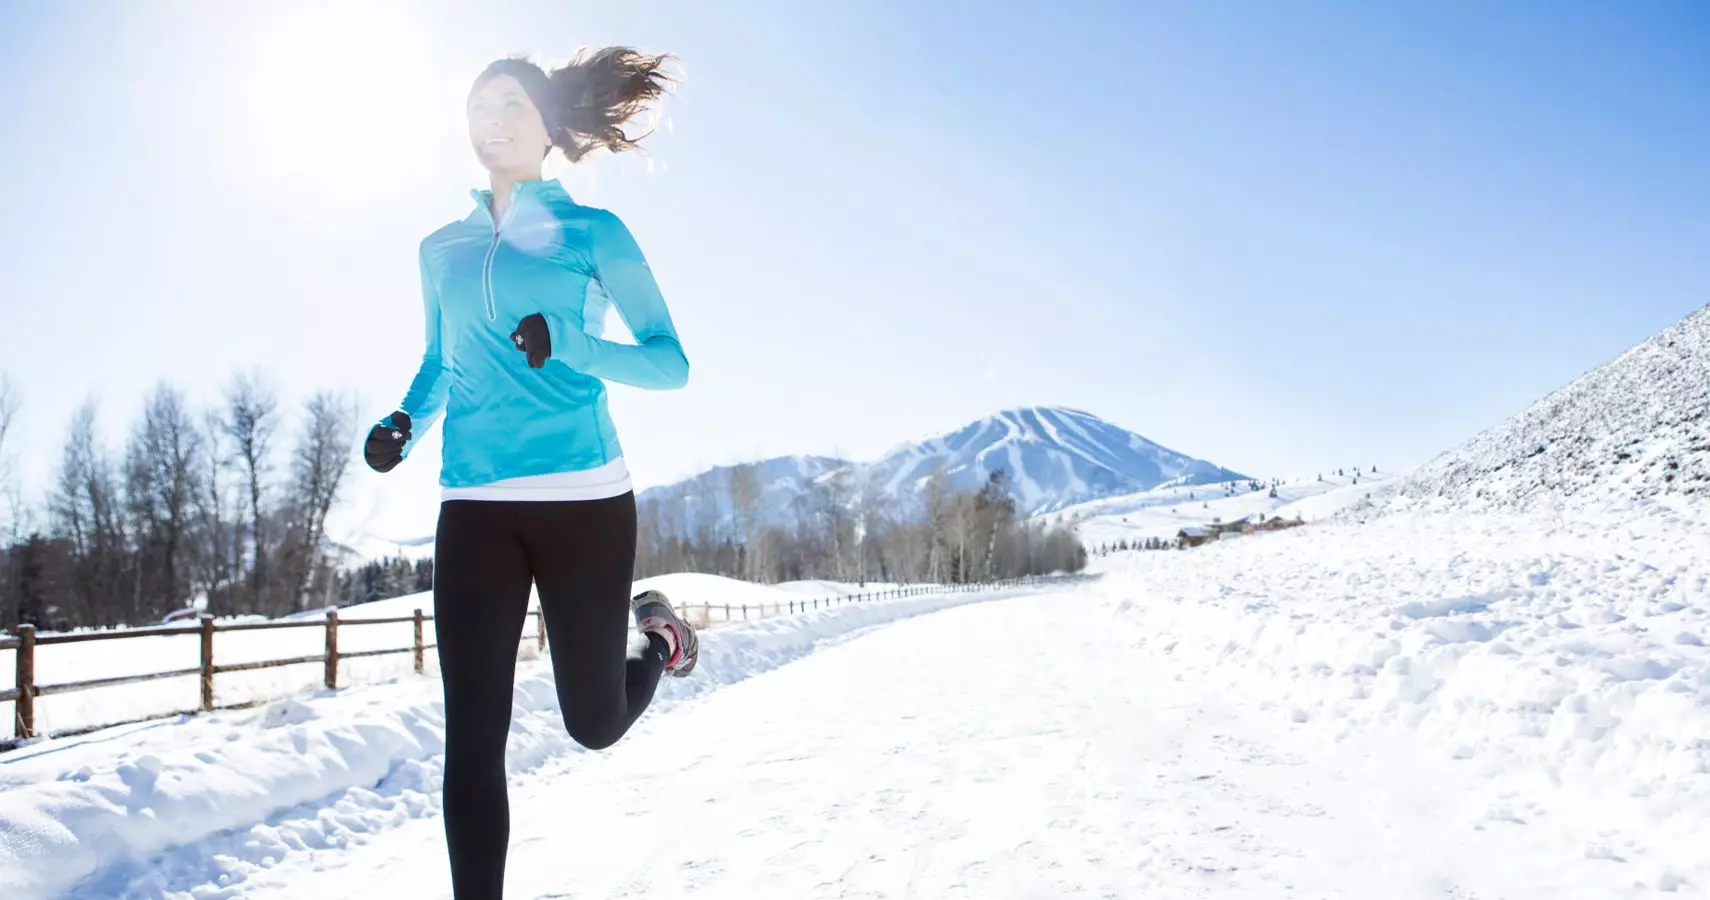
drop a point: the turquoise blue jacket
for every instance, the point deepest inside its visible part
(570, 263)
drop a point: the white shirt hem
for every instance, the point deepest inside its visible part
(599, 483)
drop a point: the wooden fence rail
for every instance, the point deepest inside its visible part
(23, 694)
(25, 690)
(732, 612)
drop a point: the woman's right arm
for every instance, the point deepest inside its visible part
(428, 391)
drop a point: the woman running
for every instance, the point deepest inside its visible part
(535, 490)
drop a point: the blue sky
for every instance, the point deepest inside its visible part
(1282, 237)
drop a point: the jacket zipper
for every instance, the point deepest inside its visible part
(487, 265)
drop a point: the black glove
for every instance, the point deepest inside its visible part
(534, 338)
(385, 446)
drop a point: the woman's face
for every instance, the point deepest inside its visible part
(506, 128)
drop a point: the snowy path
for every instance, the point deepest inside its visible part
(988, 751)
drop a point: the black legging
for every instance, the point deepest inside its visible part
(581, 554)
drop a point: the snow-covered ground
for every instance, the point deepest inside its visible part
(1161, 512)
(195, 808)
(1560, 660)
(1469, 706)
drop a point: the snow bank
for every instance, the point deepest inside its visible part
(145, 812)
(1573, 648)
(62, 663)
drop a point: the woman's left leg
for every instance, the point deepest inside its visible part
(583, 556)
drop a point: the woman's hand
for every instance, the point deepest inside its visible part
(534, 338)
(385, 446)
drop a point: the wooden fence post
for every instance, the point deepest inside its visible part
(25, 727)
(332, 649)
(418, 648)
(744, 612)
(540, 630)
(207, 663)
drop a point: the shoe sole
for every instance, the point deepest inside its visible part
(694, 642)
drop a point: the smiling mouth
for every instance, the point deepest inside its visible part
(495, 141)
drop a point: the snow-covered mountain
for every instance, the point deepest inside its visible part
(1052, 458)
(1635, 428)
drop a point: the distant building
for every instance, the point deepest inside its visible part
(1197, 535)
(1193, 536)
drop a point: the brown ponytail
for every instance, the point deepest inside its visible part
(599, 92)
(586, 103)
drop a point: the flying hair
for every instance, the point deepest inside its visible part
(587, 102)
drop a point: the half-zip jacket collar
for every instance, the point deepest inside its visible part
(520, 191)
(536, 189)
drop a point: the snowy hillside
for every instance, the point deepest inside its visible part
(1163, 511)
(1053, 458)
(1638, 427)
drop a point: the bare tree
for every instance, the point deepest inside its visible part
(162, 468)
(745, 520)
(86, 513)
(995, 511)
(318, 468)
(939, 502)
(10, 492)
(833, 493)
(251, 420)
(217, 515)
(872, 519)
(12, 552)
(702, 508)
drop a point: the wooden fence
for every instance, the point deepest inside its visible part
(23, 695)
(740, 612)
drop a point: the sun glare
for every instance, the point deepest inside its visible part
(341, 102)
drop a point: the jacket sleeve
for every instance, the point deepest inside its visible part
(426, 398)
(656, 360)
